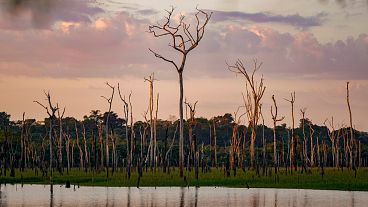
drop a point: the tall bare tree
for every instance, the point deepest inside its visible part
(126, 117)
(311, 159)
(235, 141)
(304, 147)
(192, 137)
(191, 123)
(109, 101)
(331, 135)
(214, 140)
(155, 134)
(51, 110)
(151, 80)
(275, 120)
(293, 153)
(60, 143)
(183, 40)
(351, 126)
(252, 100)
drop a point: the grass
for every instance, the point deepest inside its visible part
(333, 179)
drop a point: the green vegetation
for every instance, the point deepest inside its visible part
(333, 179)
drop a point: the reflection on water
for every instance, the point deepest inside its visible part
(39, 195)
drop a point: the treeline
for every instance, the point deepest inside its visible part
(208, 143)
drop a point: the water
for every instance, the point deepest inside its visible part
(39, 195)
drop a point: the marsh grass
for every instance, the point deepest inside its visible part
(333, 179)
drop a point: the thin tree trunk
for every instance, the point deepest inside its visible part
(181, 128)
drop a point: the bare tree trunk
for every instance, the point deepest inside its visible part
(183, 43)
(79, 148)
(293, 154)
(181, 128)
(85, 148)
(210, 139)
(275, 120)
(109, 101)
(51, 112)
(155, 134)
(126, 115)
(60, 154)
(132, 134)
(100, 141)
(67, 148)
(215, 141)
(305, 157)
(73, 146)
(311, 145)
(151, 108)
(351, 123)
(22, 156)
(318, 153)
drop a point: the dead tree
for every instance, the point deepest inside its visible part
(100, 141)
(86, 163)
(311, 159)
(263, 141)
(126, 117)
(214, 141)
(332, 137)
(155, 134)
(183, 41)
(235, 140)
(275, 120)
(293, 153)
(109, 101)
(304, 148)
(170, 148)
(252, 101)
(210, 140)
(60, 144)
(132, 133)
(151, 80)
(192, 137)
(351, 164)
(51, 110)
(337, 143)
(67, 149)
(22, 144)
(79, 148)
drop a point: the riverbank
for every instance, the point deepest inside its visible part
(332, 179)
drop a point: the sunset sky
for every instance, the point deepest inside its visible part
(72, 47)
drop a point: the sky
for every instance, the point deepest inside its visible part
(72, 47)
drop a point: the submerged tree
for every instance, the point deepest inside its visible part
(351, 163)
(252, 99)
(275, 120)
(126, 117)
(183, 40)
(293, 153)
(109, 101)
(50, 110)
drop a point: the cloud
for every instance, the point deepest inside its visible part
(147, 12)
(42, 14)
(105, 47)
(346, 3)
(117, 46)
(294, 20)
(285, 54)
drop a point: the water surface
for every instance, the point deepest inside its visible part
(39, 195)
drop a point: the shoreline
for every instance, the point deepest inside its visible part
(333, 179)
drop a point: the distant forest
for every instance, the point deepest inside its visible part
(25, 142)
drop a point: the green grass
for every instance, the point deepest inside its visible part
(333, 179)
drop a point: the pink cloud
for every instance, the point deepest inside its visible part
(117, 45)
